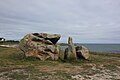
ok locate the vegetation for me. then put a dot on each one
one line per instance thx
(14, 65)
(8, 42)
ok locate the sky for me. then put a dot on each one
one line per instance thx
(86, 21)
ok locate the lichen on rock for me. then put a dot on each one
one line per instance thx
(73, 52)
(40, 45)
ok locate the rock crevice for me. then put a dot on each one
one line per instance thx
(40, 45)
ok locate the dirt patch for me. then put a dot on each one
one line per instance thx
(10, 46)
(98, 73)
(60, 67)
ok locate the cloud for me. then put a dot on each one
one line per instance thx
(96, 21)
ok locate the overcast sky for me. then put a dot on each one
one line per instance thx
(87, 21)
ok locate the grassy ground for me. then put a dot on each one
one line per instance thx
(15, 66)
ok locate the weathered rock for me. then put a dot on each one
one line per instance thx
(40, 45)
(82, 52)
(70, 51)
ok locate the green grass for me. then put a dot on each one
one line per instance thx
(15, 65)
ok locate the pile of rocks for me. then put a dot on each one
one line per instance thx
(73, 52)
(43, 46)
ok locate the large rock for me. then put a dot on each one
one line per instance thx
(70, 51)
(82, 52)
(40, 45)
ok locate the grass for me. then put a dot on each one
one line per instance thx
(14, 65)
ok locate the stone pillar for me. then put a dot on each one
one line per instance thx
(70, 52)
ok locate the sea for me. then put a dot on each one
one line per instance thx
(109, 48)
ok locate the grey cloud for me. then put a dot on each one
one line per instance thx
(85, 20)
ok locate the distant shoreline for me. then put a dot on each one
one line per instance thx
(93, 47)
